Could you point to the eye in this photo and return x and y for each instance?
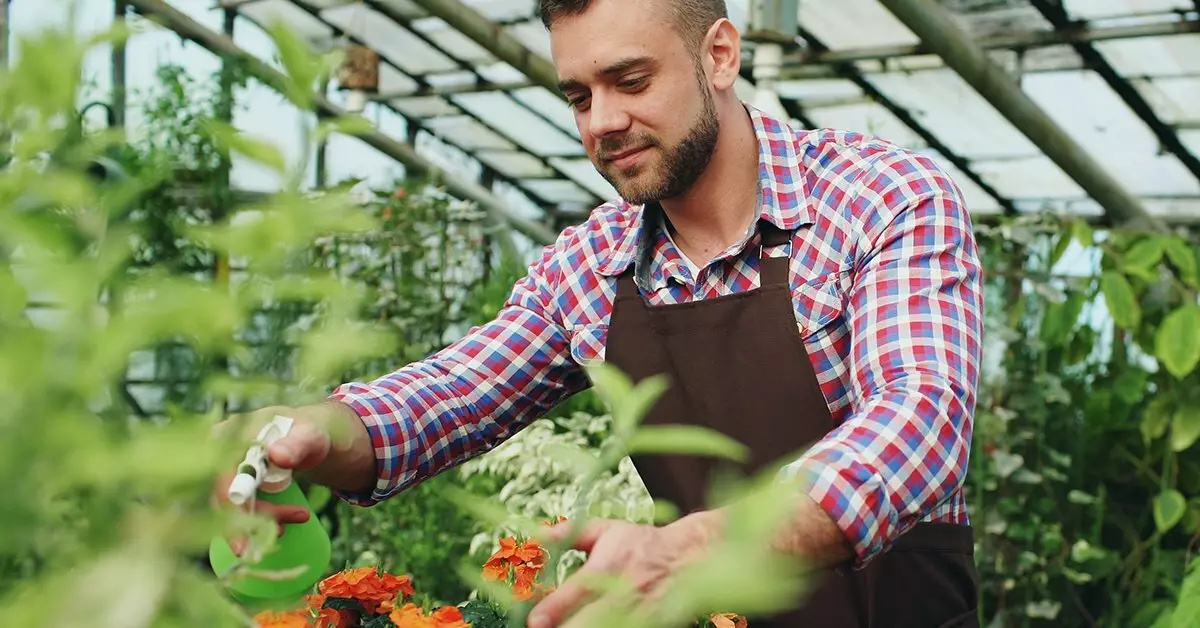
(575, 102)
(633, 83)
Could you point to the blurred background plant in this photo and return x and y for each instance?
(140, 297)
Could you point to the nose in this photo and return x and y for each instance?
(606, 116)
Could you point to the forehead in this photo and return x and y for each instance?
(608, 33)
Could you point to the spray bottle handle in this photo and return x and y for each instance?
(255, 472)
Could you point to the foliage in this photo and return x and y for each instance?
(1084, 482)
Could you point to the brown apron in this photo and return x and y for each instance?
(737, 364)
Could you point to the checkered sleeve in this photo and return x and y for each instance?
(915, 318)
(464, 400)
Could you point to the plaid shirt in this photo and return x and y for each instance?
(886, 287)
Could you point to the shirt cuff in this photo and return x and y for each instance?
(384, 423)
(852, 494)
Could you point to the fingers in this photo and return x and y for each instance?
(591, 532)
(554, 608)
(305, 446)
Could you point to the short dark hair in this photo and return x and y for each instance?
(692, 18)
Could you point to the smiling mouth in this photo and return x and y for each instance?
(626, 158)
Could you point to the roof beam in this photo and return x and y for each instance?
(415, 164)
(1129, 94)
(942, 34)
(849, 72)
(1068, 34)
(493, 38)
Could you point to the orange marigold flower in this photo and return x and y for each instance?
(410, 616)
(277, 619)
(367, 586)
(334, 618)
(448, 617)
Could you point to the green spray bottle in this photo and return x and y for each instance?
(301, 545)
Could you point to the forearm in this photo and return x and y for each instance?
(808, 534)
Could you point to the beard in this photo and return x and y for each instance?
(681, 164)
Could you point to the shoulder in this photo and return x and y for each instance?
(870, 182)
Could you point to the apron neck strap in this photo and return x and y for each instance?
(773, 271)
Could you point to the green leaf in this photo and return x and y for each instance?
(686, 439)
(301, 66)
(1169, 507)
(1177, 343)
(1083, 233)
(1185, 428)
(1122, 303)
(1144, 255)
(1156, 419)
(1183, 258)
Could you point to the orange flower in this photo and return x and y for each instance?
(728, 620)
(523, 586)
(448, 617)
(526, 559)
(334, 618)
(366, 585)
(410, 616)
(276, 619)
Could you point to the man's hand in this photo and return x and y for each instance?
(327, 444)
(642, 556)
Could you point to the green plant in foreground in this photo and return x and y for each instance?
(104, 516)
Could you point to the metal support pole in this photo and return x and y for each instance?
(938, 30)
(119, 96)
(478, 28)
(406, 154)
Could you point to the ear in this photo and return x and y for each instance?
(723, 44)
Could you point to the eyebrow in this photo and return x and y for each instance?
(618, 67)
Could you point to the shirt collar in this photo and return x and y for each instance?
(782, 192)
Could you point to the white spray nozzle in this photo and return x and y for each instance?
(255, 471)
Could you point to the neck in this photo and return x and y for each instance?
(716, 211)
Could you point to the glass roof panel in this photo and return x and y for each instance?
(853, 24)
(978, 201)
(558, 191)
(396, 43)
(425, 107)
(468, 133)
(1191, 140)
(546, 103)
(393, 81)
(1098, 9)
(962, 119)
(1110, 132)
(1033, 177)
(516, 165)
(869, 118)
(812, 91)
(503, 10)
(1153, 56)
(584, 171)
(451, 40)
(297, 20)
(500, 72)
(1174, 207)
(518, 123)
(1174, 100)
(533, 35)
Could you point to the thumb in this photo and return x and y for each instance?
(304, 447)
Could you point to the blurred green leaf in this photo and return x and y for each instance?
(1177, 343)
(1185, 427)
(1122, 303)
(1169, 506)
(686, 440)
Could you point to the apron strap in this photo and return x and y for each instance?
(773, 271)
(626, 288)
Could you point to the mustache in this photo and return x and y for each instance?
(612, 147)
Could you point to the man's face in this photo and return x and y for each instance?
(643, 107)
